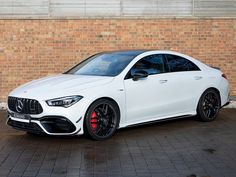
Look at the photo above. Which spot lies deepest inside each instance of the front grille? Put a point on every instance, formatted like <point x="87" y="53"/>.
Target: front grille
<point x="28" y="106"/>
<point x="29" y="127"/>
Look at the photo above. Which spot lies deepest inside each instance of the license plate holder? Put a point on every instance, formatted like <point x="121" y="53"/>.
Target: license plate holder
<point x="21" y="116"/>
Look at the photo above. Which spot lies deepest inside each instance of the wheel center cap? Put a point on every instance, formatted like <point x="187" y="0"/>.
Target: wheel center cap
<point x="104" y="122"/>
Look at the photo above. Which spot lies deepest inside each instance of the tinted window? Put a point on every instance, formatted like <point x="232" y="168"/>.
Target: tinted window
<point x="177" y="63"/>
<point x="105" y="64"/>
<point x="152" y="64"/>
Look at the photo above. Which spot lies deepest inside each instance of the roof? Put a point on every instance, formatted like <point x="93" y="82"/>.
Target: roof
<point x="127" y="52"/>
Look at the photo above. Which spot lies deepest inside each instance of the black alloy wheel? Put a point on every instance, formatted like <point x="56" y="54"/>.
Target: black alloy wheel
<point x="102" y="119"/>
<point x="209" y="105"/>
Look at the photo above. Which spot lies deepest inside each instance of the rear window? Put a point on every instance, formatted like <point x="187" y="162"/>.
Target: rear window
<point x="177" y="64"/>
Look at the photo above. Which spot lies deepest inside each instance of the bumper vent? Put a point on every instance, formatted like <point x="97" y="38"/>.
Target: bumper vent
<point x="29" y="127"/>
<point x="24" y="105"/>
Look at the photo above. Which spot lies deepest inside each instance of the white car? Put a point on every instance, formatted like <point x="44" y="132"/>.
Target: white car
<point x="111" y="90"/>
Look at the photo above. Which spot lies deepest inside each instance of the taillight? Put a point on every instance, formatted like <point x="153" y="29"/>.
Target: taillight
<point x="224" y="76"/>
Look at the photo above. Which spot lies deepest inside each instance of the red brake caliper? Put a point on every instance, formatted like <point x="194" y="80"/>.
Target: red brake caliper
<point x="94" y="120"/>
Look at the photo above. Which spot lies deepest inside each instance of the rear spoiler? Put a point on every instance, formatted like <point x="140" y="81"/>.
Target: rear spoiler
<point x="222" y="74"/>
<point x="215" y="67"/>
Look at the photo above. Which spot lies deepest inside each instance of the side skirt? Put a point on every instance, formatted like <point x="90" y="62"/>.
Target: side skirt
<point x="160" y="120"/>
<point x="226" y="104"/>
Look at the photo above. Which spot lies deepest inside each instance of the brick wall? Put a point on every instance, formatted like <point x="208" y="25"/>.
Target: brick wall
<point x="30" y="49"/>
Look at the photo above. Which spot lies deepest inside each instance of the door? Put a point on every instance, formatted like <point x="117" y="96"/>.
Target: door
<point x="186" y="82"/>
<point x="145" y="96"/>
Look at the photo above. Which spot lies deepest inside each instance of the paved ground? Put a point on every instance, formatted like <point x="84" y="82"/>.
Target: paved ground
<point x="179" y="148"/>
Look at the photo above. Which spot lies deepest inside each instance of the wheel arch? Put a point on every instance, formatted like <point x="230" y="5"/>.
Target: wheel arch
<point x="211" y="88"/>
<point x="106" y="98"/>
<point x="88" y="132"/>
<point x="202" y="115"/>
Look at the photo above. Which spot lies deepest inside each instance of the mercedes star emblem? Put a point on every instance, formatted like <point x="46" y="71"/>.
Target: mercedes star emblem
<point x="19" y="106"/>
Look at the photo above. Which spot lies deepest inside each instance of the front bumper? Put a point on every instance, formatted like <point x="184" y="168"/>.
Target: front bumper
<point x="68" y="121"/>
<point x="52" y="125"/>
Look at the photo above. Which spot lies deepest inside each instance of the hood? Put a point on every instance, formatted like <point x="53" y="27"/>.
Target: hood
<point x="58" y="86"/>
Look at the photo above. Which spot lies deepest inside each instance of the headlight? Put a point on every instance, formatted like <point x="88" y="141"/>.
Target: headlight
<point x="64" y="101"/>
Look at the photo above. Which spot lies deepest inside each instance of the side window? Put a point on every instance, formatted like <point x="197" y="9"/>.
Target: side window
<point x="152" y="64"/>
<point x="177" y="63"/>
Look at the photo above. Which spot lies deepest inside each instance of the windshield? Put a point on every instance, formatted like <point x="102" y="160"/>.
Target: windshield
<point x="104" y="64"/>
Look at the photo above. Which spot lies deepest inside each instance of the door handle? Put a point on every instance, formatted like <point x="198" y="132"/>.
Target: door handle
<point x="197" y="77"/>
<point x="163" y="81"/>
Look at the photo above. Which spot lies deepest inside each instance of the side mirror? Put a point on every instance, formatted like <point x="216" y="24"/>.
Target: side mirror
<point x="139" y="74"/>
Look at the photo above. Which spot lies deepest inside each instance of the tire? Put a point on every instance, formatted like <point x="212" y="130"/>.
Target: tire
<point x="208" y="105"/>
<point x="102" y="119"/>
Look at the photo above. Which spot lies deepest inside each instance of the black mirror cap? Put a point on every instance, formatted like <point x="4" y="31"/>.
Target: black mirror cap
<point x="139" y="74"/>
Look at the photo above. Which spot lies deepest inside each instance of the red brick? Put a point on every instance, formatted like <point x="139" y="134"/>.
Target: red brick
<point x="30" y="49"/>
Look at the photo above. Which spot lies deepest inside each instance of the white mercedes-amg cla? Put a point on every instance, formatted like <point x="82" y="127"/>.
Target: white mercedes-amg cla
<point x="111" y="90"/>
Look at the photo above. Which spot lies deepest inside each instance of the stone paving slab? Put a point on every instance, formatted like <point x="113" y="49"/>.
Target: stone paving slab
<point x="179" y="148"/>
